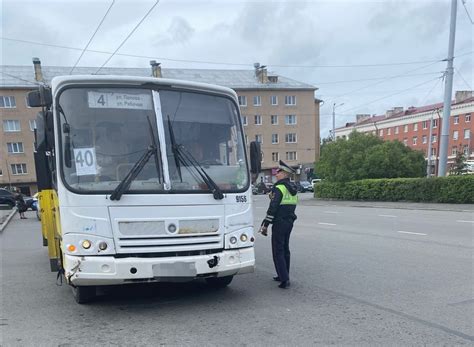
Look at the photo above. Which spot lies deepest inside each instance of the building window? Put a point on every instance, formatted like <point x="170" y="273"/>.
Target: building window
<point x="1" y="172"/>
<point x="389" y="131"/>
<point x="11" y="125"/>
<point x="291" y="156"/>
<point x="290" y="138"/>
<point x="242" y="101"/>
<point x="290" y="100"/>
<point x="405" y="141"/>
<point x="274" y="120"/>
<point x="433" y="138"/>
<point x="424" y="139"/>
<point x="468" y="118"/>
<point x="32" y="124"/>
<point x="275" y="156"/>
<point x="274" y="100"/>
<point x="257" y="101"/>
<point x="467" y="133"/>
<point x="259" y="138"/>
<point x="455" y="135"/>
<point x="415" y="139"/>
<point x="290" y="119"/>
<point x="7" y="102"/>
<point x="433" y="151"/>
<point x="456" y="119"/>
<point x="425" y="124"/>
<point x="15" y="147"/>
<point x="381" y="132"/>
<point x="405" y="128"/>
<point x="415" y="127"/>
<point x="246" y="139"/>
<point x="274" y="138"/>
<point x="19" y="169"/>
<point x="465" y="150"/>
<point x="396" y="130"/>
<point x="454" y="151"/>
<point x="258" y="120"/>
<point x="435" y="123"/>
<point x="244" y="120"/>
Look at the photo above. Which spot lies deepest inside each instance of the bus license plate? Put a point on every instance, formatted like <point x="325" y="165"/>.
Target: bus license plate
<point x="178" y="269"/>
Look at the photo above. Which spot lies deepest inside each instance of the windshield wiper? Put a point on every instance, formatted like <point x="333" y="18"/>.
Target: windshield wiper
<point x="174" y="149"/>
<point x="133" y="173"/>
<point x="153" y="149"/>
<point x="182" y="155"/>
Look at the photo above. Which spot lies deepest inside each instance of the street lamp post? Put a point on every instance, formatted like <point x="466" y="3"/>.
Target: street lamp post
<point x="334" y="120"/>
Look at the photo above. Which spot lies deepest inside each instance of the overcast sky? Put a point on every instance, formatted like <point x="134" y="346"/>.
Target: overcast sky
<point x="317" y="42"/>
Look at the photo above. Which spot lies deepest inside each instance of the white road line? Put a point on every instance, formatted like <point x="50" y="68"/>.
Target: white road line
<point x="387" y="215"/>
<point x="408" y="232"/>
<point x="327" y="224"/>
<point x="465" y="221"/>
<point x="333" y="212"/>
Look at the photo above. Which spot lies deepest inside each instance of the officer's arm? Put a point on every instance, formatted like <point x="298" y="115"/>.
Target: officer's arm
<point x="275" y="201"/>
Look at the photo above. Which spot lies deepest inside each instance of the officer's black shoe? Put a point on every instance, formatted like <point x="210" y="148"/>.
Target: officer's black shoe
<point x="276" y="278"/>
<point x="284" y="285"/>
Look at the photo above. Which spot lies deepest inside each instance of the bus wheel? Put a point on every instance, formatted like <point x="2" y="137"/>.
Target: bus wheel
<point x="83" y="295"/>
<point x="45" y="242"/>
<point x="219" y="282"/>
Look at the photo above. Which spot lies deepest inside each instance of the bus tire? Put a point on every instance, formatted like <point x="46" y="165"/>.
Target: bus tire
<point x="219" y="282"/>
<point x="45" y="242"/>
<point x="83" y="294"/>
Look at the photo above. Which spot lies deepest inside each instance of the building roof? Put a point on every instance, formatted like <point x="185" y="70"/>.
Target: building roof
<point x="409" y="111"/>
<point x="12" y="76"/>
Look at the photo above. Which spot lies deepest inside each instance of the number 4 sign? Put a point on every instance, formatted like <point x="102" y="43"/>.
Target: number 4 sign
<point x="85" y="161"/>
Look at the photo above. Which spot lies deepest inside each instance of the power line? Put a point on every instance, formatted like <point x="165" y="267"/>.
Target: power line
<point x="387" y="79"/>
<point x="467" y="12"/>
<point x="217" y="62"/>
<point x="388" y="96"/>
<point x="128" y="36"/>
<point x="376" y="78"/>
<point x="19" y="78"/>
<point x="459" y="74"/>
<point x="92" y="37"/>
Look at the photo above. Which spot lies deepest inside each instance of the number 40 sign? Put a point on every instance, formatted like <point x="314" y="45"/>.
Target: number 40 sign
<point x="85" y="161"/>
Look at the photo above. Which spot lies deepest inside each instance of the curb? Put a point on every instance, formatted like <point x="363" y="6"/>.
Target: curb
<point x="10" y="216"/>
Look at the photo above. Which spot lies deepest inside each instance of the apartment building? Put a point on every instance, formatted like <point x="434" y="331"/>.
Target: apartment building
<point x="281" y="113"/>
<point x="413" y="126"/>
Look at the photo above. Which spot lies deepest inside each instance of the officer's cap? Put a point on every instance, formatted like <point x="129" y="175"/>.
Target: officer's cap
<point x="284" y="167"/>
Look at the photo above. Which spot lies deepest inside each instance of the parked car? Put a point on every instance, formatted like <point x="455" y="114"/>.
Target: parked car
<point x="306" y="186"/>
<point x="7" y="198"/>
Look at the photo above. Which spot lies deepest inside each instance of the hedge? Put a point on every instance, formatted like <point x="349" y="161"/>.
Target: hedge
<point x="451" y="189"/>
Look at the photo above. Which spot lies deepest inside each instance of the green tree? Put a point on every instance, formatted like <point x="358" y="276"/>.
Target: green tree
<point x="367" y="156"/>
<point x="460" y="166"/>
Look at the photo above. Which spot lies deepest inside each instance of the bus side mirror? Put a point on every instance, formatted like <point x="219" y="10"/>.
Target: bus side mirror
<point x="255" y="159"/>
<point x="40" y="98"/>
<point x="44" y="131"/>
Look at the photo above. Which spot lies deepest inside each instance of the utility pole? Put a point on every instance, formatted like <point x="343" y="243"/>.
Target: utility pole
<point x="334" y="120"/>
<point x="448" y="91"/>
<point x="428" y="164"/>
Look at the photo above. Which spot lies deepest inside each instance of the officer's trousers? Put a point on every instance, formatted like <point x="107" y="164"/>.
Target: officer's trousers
<point x="281" y="231"/>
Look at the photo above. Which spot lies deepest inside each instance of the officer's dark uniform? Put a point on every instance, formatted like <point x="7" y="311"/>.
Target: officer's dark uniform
<point x="281" y="213"/>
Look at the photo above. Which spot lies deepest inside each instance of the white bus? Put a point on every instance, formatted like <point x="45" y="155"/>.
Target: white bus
<point x="143" y="180"/>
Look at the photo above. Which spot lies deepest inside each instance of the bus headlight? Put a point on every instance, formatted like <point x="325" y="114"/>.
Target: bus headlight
<point x="103" y="246"/>
<point x="243" y="238"/>
<point x="233" y="240"/>
<point x="86" y="244"/>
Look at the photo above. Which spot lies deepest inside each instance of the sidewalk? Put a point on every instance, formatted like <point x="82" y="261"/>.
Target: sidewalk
<point x="311" y="201"/>
<point x="5" y="217"/>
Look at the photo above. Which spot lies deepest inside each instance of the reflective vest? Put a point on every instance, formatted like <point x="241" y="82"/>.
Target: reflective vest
<point x="287" y="198"/>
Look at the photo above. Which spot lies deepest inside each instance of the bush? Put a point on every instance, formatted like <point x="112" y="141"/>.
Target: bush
<point x="452" y="189"/>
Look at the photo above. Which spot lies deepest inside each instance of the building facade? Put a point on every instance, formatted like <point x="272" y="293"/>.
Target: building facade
<point x="414" y="125"/>
<point x="279" y="112"/>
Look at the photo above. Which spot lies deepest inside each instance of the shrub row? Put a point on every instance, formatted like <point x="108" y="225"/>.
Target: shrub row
<point x="451" y="189"/>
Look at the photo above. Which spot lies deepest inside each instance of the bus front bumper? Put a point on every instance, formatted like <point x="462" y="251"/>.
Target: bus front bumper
<point x="107" y="270"/>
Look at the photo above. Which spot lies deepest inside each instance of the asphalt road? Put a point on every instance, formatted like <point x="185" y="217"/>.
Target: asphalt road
<point x="360" y="276"/>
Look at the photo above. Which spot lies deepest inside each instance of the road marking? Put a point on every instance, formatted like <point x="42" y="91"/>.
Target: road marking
<point x="334" y="212"/>
<point x="465" y="221"/>
<point x="327" y="224"/>
<point x="387" y="215"/>
<point x="408" y="232"/>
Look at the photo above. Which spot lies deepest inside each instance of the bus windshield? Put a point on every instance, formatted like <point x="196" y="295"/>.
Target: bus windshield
<point x="105" y="131"/>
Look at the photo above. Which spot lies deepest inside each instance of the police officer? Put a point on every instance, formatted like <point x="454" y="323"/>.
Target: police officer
<point x="281" y="213"/>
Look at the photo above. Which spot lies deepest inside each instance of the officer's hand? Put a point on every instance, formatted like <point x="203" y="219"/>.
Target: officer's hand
<point x="264" y="230"/>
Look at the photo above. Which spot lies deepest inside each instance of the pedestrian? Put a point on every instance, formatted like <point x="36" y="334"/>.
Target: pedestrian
<point x="21" y="205"/>
<point x="281" y="214"/>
